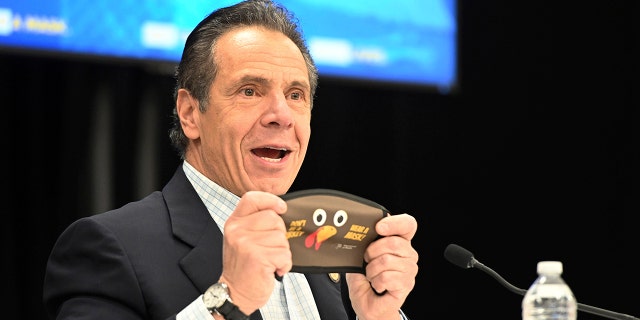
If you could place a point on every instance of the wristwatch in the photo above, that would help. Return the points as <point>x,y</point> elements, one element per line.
<point>217,299</point>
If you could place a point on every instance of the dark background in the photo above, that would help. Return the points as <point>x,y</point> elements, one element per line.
<point>533,158</point>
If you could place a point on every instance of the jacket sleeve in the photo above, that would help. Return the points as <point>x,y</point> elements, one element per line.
<point>88,276</point>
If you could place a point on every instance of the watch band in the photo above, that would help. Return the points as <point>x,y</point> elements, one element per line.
<point>230,311</point>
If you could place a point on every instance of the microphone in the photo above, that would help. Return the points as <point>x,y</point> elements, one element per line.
<point>463,258</point>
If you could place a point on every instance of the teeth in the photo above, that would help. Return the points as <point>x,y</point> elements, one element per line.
<point>271,159</point>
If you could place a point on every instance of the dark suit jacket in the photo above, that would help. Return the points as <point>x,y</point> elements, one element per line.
<point>148,260</point>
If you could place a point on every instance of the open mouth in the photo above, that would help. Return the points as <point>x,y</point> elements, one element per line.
<point>271,154</point>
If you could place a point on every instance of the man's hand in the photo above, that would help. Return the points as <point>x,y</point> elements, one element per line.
<point>255,247</point>
<point>392,266</point>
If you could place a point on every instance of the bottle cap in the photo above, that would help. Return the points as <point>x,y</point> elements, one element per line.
<point>549,267</point>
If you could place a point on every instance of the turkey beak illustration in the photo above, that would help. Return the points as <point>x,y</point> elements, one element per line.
<point>320,235</point>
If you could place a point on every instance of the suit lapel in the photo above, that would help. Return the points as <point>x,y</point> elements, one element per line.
<point>191,223</point>
<point>203,264</point>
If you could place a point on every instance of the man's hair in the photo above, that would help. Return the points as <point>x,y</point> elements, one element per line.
<point>197,68</point>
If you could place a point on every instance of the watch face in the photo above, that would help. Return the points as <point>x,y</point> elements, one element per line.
<point>215,296</point>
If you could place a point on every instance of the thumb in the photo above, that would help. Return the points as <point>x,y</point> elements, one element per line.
<point>254,201</point>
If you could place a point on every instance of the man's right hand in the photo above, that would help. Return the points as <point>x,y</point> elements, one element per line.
<point>255,247</point>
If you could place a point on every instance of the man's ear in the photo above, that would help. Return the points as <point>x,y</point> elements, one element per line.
<point>188,112</point>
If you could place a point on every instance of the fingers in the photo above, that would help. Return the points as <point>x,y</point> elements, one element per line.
<point>256,224</point>
<point>391,253</point>
<point>397,232</point>
<point>402,225</point>
<point>367,301</point>
<point>393,272</point>
<point>392,275</point>
<point>255,247</point>
<point>256,201</point>
<point>392,262</point>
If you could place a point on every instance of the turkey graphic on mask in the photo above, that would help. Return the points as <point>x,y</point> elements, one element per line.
<point>329,230</point>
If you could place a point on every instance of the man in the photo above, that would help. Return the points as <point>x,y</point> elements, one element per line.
<point>211,242</point>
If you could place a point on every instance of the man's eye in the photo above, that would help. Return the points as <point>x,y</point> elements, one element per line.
<point>249,92</point>
<point>296,96</point>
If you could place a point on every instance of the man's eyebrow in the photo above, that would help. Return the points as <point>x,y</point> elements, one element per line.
<point>264,81</point>
<point>302,84</point>
<point>256,79</point>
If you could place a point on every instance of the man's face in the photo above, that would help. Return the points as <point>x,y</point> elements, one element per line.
<point>255,132</point>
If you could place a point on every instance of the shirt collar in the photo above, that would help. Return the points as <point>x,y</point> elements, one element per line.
<point>219,201</point>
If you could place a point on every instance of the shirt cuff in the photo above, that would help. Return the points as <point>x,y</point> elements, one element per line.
<point>196,310</point>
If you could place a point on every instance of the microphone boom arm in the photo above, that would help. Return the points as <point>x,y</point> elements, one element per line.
<point>477,264</point>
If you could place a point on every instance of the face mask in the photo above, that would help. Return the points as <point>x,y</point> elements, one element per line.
<point>329,230</point>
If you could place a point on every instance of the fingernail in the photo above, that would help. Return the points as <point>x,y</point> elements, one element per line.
<point>383,227</point>
<point>282,205</point>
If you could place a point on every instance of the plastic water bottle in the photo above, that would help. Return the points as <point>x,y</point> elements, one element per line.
<point>549,297</point>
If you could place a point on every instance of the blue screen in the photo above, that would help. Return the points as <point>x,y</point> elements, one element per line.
<point>401,41</point>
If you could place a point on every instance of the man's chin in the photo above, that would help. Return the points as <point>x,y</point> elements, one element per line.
<point>277,187</point>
